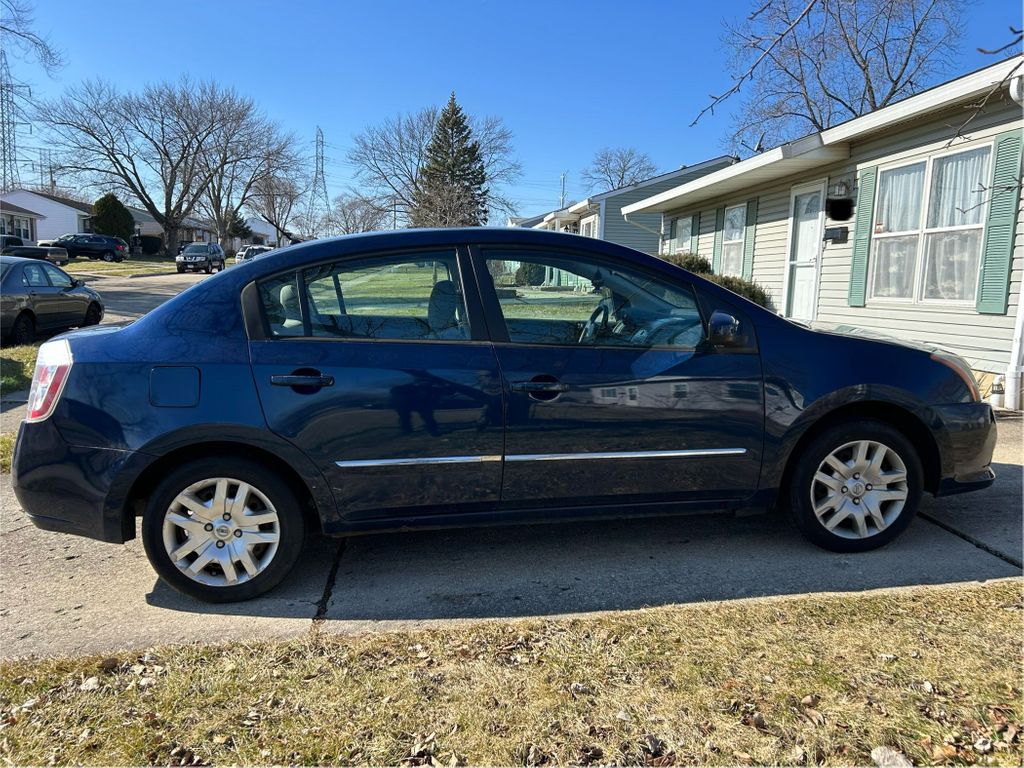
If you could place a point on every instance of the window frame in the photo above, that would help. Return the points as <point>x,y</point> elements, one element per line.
<point>742,241</point>
<point>673,235</point>
<point>916,297</point>
<point>498,331</point>
<point>257,323</point>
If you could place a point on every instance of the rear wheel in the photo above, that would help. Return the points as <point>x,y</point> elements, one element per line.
<point>24,329</point>
<point>223,530</point>
<point>93,314</point>
<point>856,486</point>
<point>108,256</point>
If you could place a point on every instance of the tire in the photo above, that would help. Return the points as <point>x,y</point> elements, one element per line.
<point>268,495</point>
<point>208,268</point>
<point>24,329</point>
<point>180,270</point>
<point>93,314</point>
<point>863,515</point>
<point>108,256</point>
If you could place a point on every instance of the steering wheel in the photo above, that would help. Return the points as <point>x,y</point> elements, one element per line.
<point>590,329</point>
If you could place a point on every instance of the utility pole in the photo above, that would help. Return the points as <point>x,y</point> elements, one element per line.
<point>9,176</point>
<point>319,206</point>
<point>561,197</point>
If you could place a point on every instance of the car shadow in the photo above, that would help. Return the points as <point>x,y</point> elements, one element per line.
<point>564,569</point>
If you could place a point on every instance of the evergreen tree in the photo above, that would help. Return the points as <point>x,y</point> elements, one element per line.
<point>452,189</point>
<point>238,226</point>
<point>110,217</point>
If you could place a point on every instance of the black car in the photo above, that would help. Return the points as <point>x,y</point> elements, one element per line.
<point>58,256</point>
<point>105,247</point>
<point>208,257</point>
<point>429,378</point>
<point>37,297</point>
<point>7,241</point>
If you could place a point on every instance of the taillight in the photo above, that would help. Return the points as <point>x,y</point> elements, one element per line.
<point>53,366</point>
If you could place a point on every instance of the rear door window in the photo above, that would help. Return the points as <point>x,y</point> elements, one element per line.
<point>32,276</point>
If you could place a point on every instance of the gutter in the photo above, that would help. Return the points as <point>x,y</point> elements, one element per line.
<point>643,226</point>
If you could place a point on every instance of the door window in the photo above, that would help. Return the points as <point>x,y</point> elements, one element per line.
<point>570,300</point>
<point>57,278</point>
<point>415,297</point>
<point>33,276</point>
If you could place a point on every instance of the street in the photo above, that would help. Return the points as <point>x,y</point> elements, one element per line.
<point>66,595</point>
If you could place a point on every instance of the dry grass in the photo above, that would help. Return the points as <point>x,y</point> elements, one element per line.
<point>16,367</point>
<point>934,673</point>
<point>6,450</point>
<point>143,265</point>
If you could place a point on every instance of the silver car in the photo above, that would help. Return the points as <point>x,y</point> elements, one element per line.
<point>37,297</point>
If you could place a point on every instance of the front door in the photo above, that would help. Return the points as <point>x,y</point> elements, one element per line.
<point>613,393</point>
<point>372,367</point>
<point>805,246</point>
<point>45,300</point>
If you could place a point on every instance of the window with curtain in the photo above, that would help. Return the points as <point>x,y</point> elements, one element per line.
<point>929,224</point>
<point>732,240</point>
<point>680,230</point>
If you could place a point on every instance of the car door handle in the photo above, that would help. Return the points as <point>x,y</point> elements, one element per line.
<point>302,380</point>
<point>539,386</point>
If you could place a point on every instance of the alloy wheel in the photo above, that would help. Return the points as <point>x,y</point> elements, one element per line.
<point>221,532</point>
<point>859,489</point>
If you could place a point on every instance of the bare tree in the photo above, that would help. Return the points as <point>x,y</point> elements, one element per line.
<point>619,167</point>
<point>806,65</point>
<point>152,145</point>
<point>244,149</point>
<point>443,205</point>
<point>389,158</point>
<point>17,20</point>
<point>353,212</point>
<point>275,199</point>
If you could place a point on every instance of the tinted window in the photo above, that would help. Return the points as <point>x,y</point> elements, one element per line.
<point>570,300</point>
<point>32,276</point>
<point>196,249</point>
<point>57,278</point>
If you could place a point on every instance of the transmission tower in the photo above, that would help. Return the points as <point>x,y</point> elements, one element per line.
<point>319,205</point>
<point>9,177</point>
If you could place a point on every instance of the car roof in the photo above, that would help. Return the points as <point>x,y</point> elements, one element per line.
<point>7,259</point>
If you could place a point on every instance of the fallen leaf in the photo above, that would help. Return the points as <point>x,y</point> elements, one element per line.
<point>983,745</point>
<point>814,716</point>
<point>887,757</point>
<point>90,684</point>
<point>810,700</point>
<point>109,664</point>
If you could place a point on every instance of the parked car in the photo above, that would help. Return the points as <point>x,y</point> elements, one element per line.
<point>7,241</point>
<point>208,257</point>
<point>105,247</point>
<point>251,252</point>
<point>58,256</point>
<point>36,297</point>
<point>383,382</point>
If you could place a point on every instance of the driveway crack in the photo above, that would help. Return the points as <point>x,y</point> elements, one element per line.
<point>971,540</point>
<point>325,598</point>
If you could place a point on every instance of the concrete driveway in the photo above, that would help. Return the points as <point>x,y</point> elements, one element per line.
<point>64,595</point>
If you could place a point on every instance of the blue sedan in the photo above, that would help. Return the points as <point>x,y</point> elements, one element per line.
<point>427,378</point>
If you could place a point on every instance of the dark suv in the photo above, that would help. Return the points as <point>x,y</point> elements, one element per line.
<point>91,246</point>
<point>208,257</point>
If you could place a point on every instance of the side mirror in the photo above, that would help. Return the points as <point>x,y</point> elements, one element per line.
<point>77,283</point>
<point>724,330</point>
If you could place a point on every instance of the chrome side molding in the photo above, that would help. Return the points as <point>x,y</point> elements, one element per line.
<point>681,454</point>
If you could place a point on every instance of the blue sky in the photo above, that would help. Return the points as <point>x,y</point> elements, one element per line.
<point>567,78</point>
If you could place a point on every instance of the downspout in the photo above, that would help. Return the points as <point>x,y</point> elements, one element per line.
<point>1016,367</point>
<point>600,220</point>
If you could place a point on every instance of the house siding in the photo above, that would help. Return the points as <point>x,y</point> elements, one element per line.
<point>984,340</point>
<point>60,219</point>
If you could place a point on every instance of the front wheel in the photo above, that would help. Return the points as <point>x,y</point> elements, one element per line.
<point>856,486</point>
<point>93,314</point>
<point>208,268</point>
<point>223,530</point>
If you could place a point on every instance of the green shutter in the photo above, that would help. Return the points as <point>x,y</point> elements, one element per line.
<point>863,224</point>
<point>694,232</point>
<point>748,240</point>
<point>996,253</point>
<point>716,255</point>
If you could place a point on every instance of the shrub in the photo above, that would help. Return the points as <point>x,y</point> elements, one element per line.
<point>530,274</point>
<point>748,289</point>
<point>151,244</point>
<point>110,217</point>
<point>691,261</point>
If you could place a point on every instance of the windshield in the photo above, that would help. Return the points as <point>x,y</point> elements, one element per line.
<point>196,249</point>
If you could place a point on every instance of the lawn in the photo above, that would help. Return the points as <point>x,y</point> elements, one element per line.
<point>933,673</point>
<point>16,367</point>
<point>134,266</point>
<point>6,450</point>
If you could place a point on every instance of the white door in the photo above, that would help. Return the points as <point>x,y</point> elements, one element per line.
<point>807,229</point>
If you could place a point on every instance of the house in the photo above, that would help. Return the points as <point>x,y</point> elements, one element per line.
<point>18,221</point>
<point>905,221</point>
<point>57,215</point>
<point>600,216</point>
